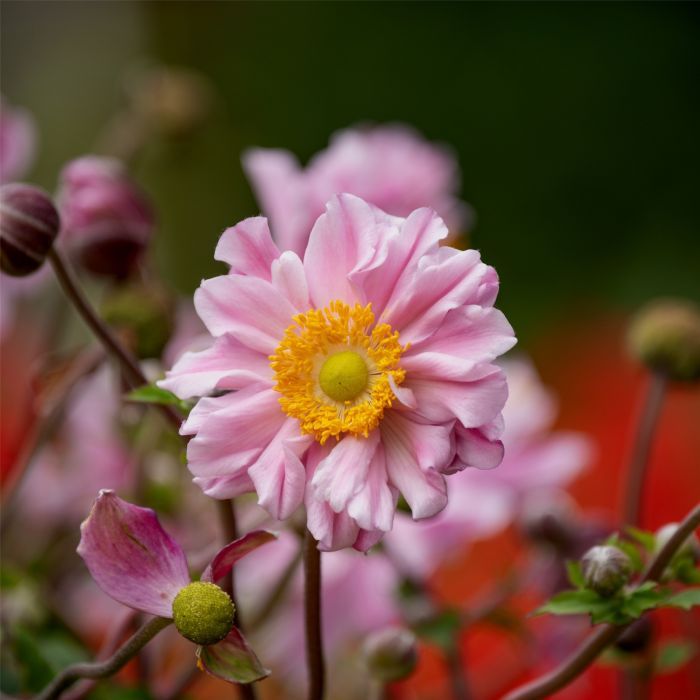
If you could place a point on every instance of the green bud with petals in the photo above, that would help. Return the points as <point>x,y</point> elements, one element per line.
<point>203,613</point>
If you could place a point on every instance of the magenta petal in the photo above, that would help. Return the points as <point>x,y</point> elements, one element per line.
<point>221,564</point>
<point>131,557</point>
<point>231,660</point>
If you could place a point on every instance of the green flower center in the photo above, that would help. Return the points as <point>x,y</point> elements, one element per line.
<point>203,613</point>
<point>344,376</point>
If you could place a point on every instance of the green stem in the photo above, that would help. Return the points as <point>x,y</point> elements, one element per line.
<point>106,668</point>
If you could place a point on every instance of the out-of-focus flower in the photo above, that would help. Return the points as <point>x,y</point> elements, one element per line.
<point>137,563</point>
<point>606,569</point>
<point>537,463</point>
<point>391,654</point>
<point>29,224</point>
<point>351,369</point>
<point>392,167</point>
<point>17,142</point>
<point>107,220</point>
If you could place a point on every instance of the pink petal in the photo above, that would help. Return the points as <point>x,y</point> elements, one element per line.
<point>475,449</point>
<point>472,403</point>
<point>341,474</point>
<point>373,506</point>
<point>222,487</point>
<point>224,560</point>
<point>415,454</point>
<point>231,660</point>
<point>289,278</point>
<point>248,308</point>
<point>280,189</point>
<point>278,474</point>
<point>131,557</point>
<point>227,364</point>
<point>231,431</point>
<point>248,248</point>
<point>342,241</point>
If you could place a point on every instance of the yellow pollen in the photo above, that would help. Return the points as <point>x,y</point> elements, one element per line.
<point>333,369</point>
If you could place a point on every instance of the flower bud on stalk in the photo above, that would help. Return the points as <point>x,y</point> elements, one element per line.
<point>390,654</point>
<point>665,335</point>
<point>29,223</point>
<point>606,569</point>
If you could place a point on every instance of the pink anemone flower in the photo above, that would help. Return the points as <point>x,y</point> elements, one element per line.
<point>136,562</point>
<point>390,166</point>
<point>352,370</point>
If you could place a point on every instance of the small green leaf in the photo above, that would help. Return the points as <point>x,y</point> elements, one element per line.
<point>686,599</point>
<point>641,599</point>
<point>673,655</point>
<point>645,538</point>
<point>576,603</point>
<point>150,393</point>
<point>441,629</point>
<point>575,574</point>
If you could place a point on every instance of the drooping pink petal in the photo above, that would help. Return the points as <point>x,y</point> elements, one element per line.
<point>231,660</point>
<point>341,474</point>
<point>342,241</point>
<point>373,506</point>
<point>289,277</point>
<point>281,192</point>
<point>248,308</point>
<point>476,449</point>
<point>228,486</point>
<point>225,558</point>
<point>415,455</point>
<point>472,403</point>
<point>131,557</point>
<point>248,248</point>
<point>278,473</point>
<point>227,364</point>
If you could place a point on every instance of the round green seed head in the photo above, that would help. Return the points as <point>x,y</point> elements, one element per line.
<point>344,376</point>
<point>203,613</point>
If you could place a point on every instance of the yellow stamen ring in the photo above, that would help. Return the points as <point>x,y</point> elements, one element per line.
<point>332,369</point>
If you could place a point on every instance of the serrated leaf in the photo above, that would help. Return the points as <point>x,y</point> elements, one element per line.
<point>575,603</point>
<point>686,599</point>
<point>575,574</point>
<point>644,598</point>
<point>673,655</point>
<point>645,538</point>
<point>150,393</point>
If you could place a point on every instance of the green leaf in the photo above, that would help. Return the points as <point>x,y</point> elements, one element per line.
<point>686,599</point>
<point>641,599</point>
<point>673,655</point>
<point>441,630</point>
<point>575,574</point>
<point>645,538</point>
<point>576,603</point>
<point>150,393</point>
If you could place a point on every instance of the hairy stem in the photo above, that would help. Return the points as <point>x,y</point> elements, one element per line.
<point>605,635</point>
<point>312,610</point>
<point>110,666</point>
<point>634,493</point>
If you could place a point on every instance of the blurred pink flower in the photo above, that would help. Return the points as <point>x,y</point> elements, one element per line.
<point>17,142</point>
<point>392,167</point>
<point>538,462</point>
<point>352,370</point>
<point>136,562</point>
<point>107,221</point>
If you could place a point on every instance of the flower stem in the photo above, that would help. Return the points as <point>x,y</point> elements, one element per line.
<point>634,492</point>
<point>605,635</point>
<point>312,610</point>
<point>457,676</point>
<point>110,666</point>
<point>129,364</point>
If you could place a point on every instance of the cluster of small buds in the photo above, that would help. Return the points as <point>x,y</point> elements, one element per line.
<point>29,224</point>
<point>606,569</point>
<point>390,654</point>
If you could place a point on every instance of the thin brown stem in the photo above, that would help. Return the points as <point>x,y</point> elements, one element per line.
<point>103,669</point>
<point>636,472</point>
<point>455,671</point>
<point>604,636</point>
<point>128,363</point>
<point>312,610</point>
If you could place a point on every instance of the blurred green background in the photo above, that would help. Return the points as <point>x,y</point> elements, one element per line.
<point>576,125</point>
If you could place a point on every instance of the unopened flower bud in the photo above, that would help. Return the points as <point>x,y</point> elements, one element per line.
<point>391,654</point>
<point>637,636</point>
<point>29,224</point>
<point>144,313</point>
<point>606,569</point>
<point>107,221</point>
<point>665,335</point>
<point>203,613</point>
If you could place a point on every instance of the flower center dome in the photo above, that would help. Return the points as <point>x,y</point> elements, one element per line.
<point>335,368</point>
